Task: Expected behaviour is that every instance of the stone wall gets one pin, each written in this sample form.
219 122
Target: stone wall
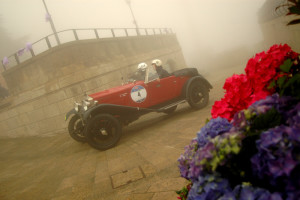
45 87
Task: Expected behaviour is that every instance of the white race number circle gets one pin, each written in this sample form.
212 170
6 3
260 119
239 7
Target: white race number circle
138 94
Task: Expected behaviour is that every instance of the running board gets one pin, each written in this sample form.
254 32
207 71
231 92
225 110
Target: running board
171 105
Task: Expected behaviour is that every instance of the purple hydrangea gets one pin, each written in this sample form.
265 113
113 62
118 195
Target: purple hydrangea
196 164
209 187
192 155
213 128
295 195
275 160
214 187
242 120
294 117
281 104
247 192
239 121
267 135
185 159
214 153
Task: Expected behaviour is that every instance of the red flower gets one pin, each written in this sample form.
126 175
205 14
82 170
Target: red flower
243 90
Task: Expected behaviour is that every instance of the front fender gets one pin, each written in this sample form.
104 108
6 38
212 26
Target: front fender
71 112
122 111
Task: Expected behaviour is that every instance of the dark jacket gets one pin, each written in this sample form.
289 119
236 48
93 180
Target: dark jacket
162 73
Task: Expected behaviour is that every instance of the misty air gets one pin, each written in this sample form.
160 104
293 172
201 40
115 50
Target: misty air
150 100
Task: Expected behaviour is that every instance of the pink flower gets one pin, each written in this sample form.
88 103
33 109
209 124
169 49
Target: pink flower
5 61
28 46
47 17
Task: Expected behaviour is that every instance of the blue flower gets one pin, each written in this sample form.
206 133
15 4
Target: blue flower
197 165
281 104
275 160
213 128
294 118
185 158
248 192
189 161
209 187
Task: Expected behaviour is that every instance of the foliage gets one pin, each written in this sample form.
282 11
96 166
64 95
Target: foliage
294 9
184 192
255 153
282 67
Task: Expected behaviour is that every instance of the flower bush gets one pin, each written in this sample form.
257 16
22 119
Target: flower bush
265 73
250 149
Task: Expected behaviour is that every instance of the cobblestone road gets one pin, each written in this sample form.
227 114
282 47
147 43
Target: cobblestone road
143 166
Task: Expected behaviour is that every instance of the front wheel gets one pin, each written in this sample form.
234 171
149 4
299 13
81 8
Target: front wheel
197 95
76 129
103 131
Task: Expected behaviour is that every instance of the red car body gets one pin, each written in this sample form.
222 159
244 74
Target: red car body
99 118
141 94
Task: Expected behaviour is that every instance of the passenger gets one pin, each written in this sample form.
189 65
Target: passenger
162 73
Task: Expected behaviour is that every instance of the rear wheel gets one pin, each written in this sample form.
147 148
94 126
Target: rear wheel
197 95
103 131
76 129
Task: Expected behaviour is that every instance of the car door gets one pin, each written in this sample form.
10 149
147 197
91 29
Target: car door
162 90
139 95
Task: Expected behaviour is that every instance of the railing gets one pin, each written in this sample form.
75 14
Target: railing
70 35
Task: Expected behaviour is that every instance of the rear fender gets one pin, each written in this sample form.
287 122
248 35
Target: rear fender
195 78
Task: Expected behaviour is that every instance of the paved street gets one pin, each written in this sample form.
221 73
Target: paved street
143 166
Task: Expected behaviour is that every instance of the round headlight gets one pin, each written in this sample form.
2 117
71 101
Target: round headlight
85 104
76 106
85 108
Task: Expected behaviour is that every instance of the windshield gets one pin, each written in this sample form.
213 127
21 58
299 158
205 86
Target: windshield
152 74
141 75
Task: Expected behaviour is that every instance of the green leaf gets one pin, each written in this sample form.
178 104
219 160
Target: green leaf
267 120
272 84
280 81
293 22
294 10
291 87
286 66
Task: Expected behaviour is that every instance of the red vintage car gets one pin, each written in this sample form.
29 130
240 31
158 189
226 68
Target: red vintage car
99 118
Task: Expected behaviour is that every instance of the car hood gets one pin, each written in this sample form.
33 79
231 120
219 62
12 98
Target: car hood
112 91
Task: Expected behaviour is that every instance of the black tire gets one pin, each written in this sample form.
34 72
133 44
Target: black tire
103 131
170 110
197 95
76 129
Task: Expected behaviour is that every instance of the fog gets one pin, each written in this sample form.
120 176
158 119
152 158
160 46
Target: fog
205 29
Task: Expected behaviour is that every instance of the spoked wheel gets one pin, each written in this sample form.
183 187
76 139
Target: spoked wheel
103 131
197 95
76 129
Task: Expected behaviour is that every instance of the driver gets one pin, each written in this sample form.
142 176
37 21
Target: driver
157 65
141 72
